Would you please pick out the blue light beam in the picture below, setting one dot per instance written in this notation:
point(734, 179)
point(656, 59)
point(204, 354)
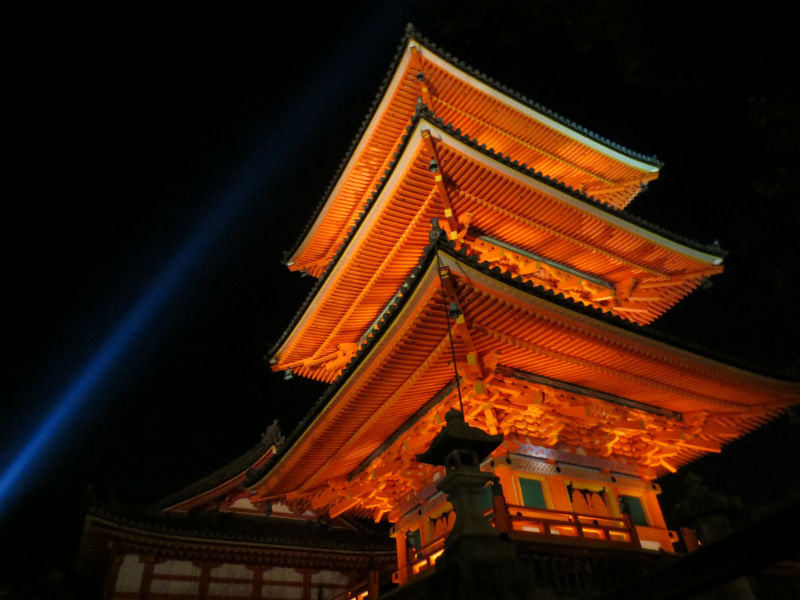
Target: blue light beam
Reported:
point(283, 142)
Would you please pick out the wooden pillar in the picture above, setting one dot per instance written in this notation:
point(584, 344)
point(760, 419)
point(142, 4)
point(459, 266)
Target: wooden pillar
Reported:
point(502, 520)
point(205, 576)
point(373, 584)
point(307, 573)
point(110, 583)
point(690, 539)
point(578, 525)
point(402, 557)
point(147, 575)
point(506, 476)
point(628, 520)
point(258, 582)
point(653, 509)
point(559, 494)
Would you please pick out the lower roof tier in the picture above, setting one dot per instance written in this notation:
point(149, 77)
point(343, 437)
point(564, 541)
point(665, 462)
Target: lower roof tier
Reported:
point(531, 367)
point(512, 218)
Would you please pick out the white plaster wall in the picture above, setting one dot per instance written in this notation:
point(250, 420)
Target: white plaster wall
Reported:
point(130, 574)
point(184, 567)
point(323, 577)
point(230, 589)
point(283, 592)
point(282, 574)
point(170, 586)
point(325, 593)
point(243, 504)
point(322, 582)
point(232, 570)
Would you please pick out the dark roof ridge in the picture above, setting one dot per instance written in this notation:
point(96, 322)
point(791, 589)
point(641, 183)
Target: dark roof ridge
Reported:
point(238, 466)
point(234, 527)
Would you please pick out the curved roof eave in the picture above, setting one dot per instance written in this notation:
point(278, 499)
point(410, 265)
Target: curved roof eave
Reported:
point(230, 474)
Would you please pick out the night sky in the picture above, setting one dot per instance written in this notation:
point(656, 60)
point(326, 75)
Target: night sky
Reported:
point(127, 129)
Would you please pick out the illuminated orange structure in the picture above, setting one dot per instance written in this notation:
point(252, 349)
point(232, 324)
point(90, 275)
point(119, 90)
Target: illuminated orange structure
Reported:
point(462, 198)
point(472, 245)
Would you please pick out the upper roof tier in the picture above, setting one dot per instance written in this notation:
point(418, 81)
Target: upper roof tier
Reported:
point(518, 221)
point(509, 124)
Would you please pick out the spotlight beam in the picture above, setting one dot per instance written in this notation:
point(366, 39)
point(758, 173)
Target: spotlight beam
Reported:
point(282, 143)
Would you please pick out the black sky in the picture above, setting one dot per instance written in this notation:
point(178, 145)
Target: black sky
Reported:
point(122, 127)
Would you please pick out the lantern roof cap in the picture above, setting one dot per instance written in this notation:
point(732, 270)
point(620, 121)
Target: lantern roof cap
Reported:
point(458, 436)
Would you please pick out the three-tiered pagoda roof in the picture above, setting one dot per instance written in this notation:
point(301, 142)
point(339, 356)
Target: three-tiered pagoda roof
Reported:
point(459, 192)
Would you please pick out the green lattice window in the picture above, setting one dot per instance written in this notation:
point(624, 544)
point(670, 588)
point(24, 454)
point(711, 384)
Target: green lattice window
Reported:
point(532, 493)
point(633, 506)
point(487, 499)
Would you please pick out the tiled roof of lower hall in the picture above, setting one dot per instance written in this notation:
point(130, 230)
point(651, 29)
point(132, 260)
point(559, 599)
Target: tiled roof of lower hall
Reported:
point(267, 531)
point(412, 33)
point(439, 242)
point(237, 467)
point(423, 113)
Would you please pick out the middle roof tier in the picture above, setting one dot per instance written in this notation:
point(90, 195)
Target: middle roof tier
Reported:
point(520, 222)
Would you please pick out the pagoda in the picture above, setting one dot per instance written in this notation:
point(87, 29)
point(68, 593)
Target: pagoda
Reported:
point(474, 250)
point(474, 253)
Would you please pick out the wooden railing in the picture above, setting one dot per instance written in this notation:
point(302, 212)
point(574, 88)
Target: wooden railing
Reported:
point(421, 559)
point(555, 522)
point(356, 591)
point(509, 518)
point(565, 569)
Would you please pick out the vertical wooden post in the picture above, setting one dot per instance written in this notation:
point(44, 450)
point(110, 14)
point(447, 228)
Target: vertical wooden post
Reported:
point(307, 573)
point(626, 517)
point(402, 557)
point(690, 539)
point(205, 576)
point(578, 526)
point(373, 584)
point(653, 510)
point(147, 575)
point(502, 520)
point(504, 473)
point(258, 582)
point(558, 493)
point(110, 584)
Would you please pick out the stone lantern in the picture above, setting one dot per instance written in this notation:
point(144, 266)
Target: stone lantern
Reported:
point(460, 448)
point(478, 563)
